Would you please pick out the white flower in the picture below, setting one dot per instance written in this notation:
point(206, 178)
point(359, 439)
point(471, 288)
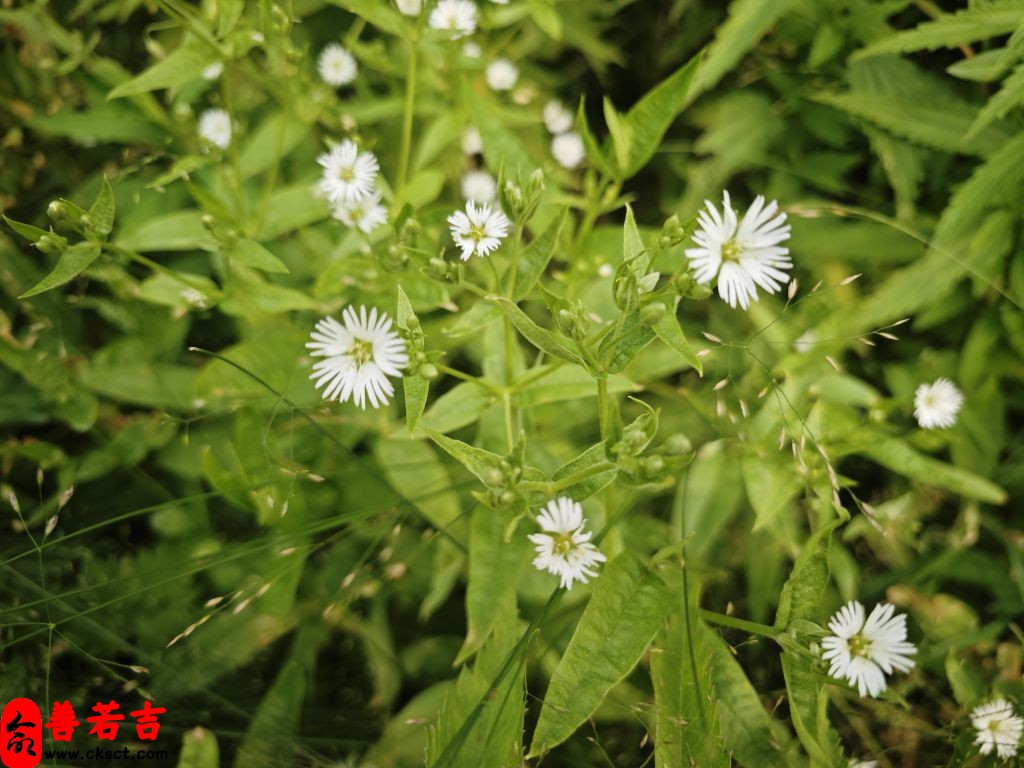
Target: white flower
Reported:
point(215, 127)
point(502, 75)
point(568, 149)
point(500, 2)
point(864, 652)
point(359, 357)
point(743, 255)
point(471, 50)
point(479, 186)
point(337, 66)
point(478, 230)
point(366, 213)
point(998, 728)
point(864, 764)
point(410, 7)
point(348, 173)
point(937, 404)
point(557, 118)
point(563, 548)
point(457, 17)
point(213, 71)
point(472, 144)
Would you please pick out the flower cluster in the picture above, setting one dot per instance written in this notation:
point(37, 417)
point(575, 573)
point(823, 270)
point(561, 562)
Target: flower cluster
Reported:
point(349, 181)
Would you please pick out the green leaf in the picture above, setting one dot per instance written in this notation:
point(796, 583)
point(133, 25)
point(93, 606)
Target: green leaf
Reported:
point(494, 566)
point(533, 259)
point(1010, 96)
point(473, 320)
point(102, 210)
point(546, 17)
point(686, 723)
point(381, 15)
point(808, 709)
point(592, 457)
point(898, 456)
point(627, 607)
point(423, 188)
point(621, 133)
point(252, 254)
point(199, 749)
point(980, 22)
point(748, 22)
point(939, 124)
point(645, 125)
point(595, 152)
point(271, 142)
point(459, 407)
point(177, 231)
point(414, 470)
point(633, 250)
point(185, 64)
point(620, 349)
point(802, 592)
point(71, 263)
point(415, 389)
point(481, 463)
point(770, 485)
point(541, 338)
point(744, 723)
point(291, 208)
point(669, 331)
point(27, 231)
point(156, 385)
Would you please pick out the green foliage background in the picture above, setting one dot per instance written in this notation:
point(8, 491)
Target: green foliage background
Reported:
point(313, 586)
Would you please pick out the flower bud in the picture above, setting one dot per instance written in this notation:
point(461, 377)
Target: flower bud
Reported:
point(507, 498)
point(413, 323)
point(57, 210)
point(651, 314)
point(653, 465)
point(494, 477)
point(678, 445)
point(51, 242)
point(428, 371)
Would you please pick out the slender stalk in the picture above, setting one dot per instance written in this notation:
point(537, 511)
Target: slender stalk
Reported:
point(410, 100)
point(763, 630)
point(602, 407)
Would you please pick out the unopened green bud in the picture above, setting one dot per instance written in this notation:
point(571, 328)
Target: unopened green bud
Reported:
point(208, 221)
point(653, 465)
point(494, 477)
point(651, 314)
point(57, 210)
point(51, 243)
point(678, 445)
point(507, 498)
point(428, 371)
point(412, 323)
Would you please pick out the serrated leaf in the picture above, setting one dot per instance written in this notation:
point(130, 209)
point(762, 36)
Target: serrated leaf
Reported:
point(185, 64)
point(252, 254)
point(748, 22)
point(685, 700)
point(72, 263)
point(494, 566)
point(534, 259)
point(802, 592)
point(968, 25)
point(623, 615)
point(1009, 96)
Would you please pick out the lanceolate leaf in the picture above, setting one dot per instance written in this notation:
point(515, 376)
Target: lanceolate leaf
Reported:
point(102, 211)
point(625, 611)
point(535, 257)
point(494, 564)
point(802, 593)
point(252, 254)
point(670, 332)
point(544, 340)
point(186, 63)
point(72, 263)
point(808, 709)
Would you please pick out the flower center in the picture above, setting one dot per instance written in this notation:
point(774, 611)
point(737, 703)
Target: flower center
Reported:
point(731, 251)
point(477, 233)
point(564, 543)
point(346, 174)
point(361, 351)
point(859, 646)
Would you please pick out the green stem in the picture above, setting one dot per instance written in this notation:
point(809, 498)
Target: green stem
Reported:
point(763, 630)
point(602, 407)
point(157, 267)
point(498, 391)
point(410, 99)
